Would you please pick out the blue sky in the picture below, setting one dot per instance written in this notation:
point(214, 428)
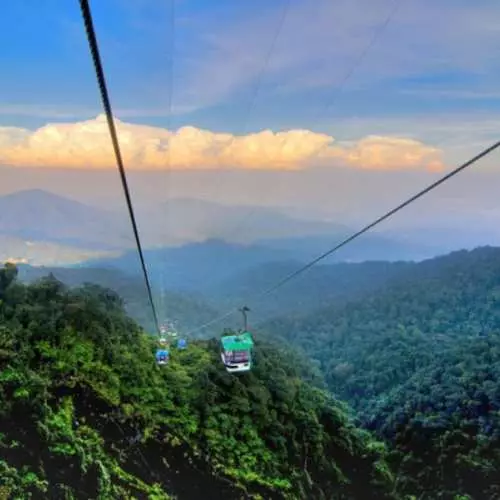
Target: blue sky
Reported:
point(436, 57)
point(240, 67)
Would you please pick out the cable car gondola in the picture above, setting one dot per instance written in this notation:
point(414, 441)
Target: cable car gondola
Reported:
point(236, 352)
point(162, 356)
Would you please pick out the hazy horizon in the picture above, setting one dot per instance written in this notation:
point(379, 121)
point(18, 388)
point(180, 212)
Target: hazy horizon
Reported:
point(316, 195)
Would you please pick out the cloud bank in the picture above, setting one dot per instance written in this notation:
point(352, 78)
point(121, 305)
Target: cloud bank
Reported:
point(86, 144)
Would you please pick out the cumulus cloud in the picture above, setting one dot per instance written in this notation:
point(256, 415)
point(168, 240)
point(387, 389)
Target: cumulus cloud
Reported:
point(377, 152)
point(87, 144)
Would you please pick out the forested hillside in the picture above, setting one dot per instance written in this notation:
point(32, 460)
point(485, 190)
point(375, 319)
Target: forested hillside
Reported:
point(188, 310)
point(419, 360)
point(370, 345)
point(86, 413)
point(322, 285)
point(444, 422)
point(416, 356)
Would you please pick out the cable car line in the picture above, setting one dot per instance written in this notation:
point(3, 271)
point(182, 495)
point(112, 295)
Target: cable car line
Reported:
point(101, 81)
point(356, 235)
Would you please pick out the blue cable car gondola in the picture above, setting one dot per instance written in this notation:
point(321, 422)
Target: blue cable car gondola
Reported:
point(181, 344)
point(162, 356)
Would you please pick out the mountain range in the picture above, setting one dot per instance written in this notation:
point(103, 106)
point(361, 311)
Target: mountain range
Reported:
point(38, 215)
point(70, 232)
point(44, 216)
point(412, 348)
point(204, 298)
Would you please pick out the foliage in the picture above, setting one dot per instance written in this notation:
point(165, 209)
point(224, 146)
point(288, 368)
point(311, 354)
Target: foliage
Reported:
point(186, 309)
point(321, 286)
point(420, 362)
point(86, 413)
point(447, 416)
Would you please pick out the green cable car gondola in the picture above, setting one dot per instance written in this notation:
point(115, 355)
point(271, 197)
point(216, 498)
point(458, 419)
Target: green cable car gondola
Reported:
point(236, 352)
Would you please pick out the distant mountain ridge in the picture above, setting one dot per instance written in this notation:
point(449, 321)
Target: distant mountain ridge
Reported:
point(37, 215)
point(43, 216)
point(368, 247)
point(199, 220)
point(196, 266)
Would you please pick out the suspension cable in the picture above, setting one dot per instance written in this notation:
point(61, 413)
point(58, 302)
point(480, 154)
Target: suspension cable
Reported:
point(101, 81)
point(356, 235)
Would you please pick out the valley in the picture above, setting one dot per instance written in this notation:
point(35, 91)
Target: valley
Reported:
point(409, 349)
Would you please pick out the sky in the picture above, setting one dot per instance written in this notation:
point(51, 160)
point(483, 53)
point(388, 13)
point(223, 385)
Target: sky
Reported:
point(254, 101)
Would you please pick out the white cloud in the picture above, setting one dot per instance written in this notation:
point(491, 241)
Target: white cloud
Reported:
point(459, 135)
point(377, 152)
point(87, 144)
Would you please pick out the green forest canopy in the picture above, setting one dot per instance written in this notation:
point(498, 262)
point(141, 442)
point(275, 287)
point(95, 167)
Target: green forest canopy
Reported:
point(86, 413)
point(418, 361)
